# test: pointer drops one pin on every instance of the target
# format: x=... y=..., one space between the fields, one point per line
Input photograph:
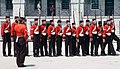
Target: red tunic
x=106 y=31
x=21 y=30
x=86 y=30
x=51 y=31
x=12 y=29
x=80 y=32
x=93 y=30
x=43 y=30
x=67 y=31
x=6 y=28
x=58 y=31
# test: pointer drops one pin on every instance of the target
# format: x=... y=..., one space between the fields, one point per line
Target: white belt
x=68 y=33
x=18 y=37
x=94 y=32
x=113 y=31
x=99 y=34
x=86 y=33
x=81 y=35
x=6 y=31
x=36 y=32
x=53 y=33
x=108 y=34
x=44 y=34
x=74 y=35
x=60 y=34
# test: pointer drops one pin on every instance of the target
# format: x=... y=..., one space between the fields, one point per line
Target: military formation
x=88 y=37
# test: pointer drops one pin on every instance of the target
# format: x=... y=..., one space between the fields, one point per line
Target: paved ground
x=88 y=62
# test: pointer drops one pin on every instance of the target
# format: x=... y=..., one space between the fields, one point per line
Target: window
x=65 y=4
x=95 y=4
x=9 y=4
x=36 y=3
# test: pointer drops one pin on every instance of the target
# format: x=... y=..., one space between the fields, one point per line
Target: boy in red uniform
x=51 y=36
x=6 y=36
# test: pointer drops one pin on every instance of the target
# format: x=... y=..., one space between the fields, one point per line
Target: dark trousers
x=73 y=45
x=36 y=44
x=52 y=46
x=87 y=40
x=68 y=44
x=7 y=39
x=100 y=41
x=44 y=44
x=21 y=51
x=14 y=40
x=27 y=49
x=81 y=43
x=94 y=44
x=59 y=45
x=114 y=37
x=108 y=40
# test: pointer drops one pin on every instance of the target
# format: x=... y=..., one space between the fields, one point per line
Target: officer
x=21 y=33
x=67 y=35
x=13 y=33
x=6 y=36
x=58 y=31
x=44 y=38
x=51 y=36
x=35 y=36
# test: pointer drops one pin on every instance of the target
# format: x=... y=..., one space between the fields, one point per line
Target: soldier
x=13 y=33
x=107 y=40
x=6 y=36
x=27 y=48
x=44 y=38
x=80 y=39
x=93 y=37
x=35 y=36
x=114 y=36
x=73 y=39
x=21 y=33
x=67 y=35
x=51 y=36
x=87 y=37
x=58 y=31
x=100 y=31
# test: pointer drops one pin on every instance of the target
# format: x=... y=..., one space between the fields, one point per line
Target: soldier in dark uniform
x=21 y=33
x=6 y=36
x=114 y=36
x=73 y=39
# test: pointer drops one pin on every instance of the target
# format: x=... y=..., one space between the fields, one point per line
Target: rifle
x=73 y=15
